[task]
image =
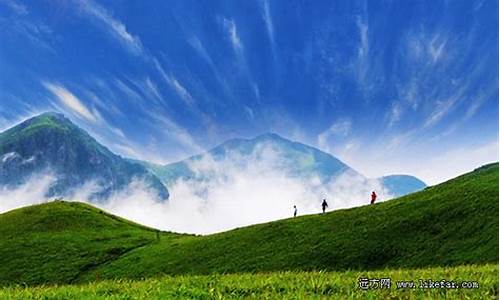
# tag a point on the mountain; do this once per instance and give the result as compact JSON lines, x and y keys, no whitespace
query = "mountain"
{"x":50,"y":143}
{"x":294,"y":159}
{"x":400,"y":185}
{"x":453,"y":223}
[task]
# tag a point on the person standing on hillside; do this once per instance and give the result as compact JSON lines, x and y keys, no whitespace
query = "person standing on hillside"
{"x":374,"y":197}
{"x":294,"y":211}
{"x":324,"y":205}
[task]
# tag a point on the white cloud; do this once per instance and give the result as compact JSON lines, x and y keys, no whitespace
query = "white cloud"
{"x":33,"y":30}
{"x":436,"y":48}
{"x":69,"y":100}
{"x":175,"y":85}
{"x":338,"y":129}
{"x":480,"y":99}
{"x":362,"y":63}
{"x":442,"y":108}
{"x":33,"y":192}
{"x":395,"y":113}
{"x":363,"y":38}
{"x":342,"y":127}
{"x":175,"y":132}
{"x":128,"y":91}
{"x":456,"y":161}
{"x":180,"y":90}
{"x":153,"y":89}
{"x":112,"y":25}
{"x":127,"y":151}
{"x":432,"y":164}
{"x":202,"y":51}
{"x":232,"y":32}
{"x":242,"y":190}
{"x":266,"y":15}
{"x":426,"y":47}
{"x":410,"y":93}
{"x":142,"y":91}
{"x":17,"y":7}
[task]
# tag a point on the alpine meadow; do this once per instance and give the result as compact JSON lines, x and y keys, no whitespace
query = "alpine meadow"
{"x":260,"y":149}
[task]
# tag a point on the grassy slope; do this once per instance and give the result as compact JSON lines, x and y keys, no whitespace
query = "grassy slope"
{"x":56,"y":242}
{"x":277,"y":285}
{"x":450,"y":224}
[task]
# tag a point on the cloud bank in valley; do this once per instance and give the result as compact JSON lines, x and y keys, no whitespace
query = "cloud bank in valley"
{"x":239,"y":191}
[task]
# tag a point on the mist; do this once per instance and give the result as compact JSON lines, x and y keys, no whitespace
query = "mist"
{"x":240,"y":191}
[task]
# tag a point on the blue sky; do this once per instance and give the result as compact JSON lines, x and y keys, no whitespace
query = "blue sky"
{"x":387,"y":86}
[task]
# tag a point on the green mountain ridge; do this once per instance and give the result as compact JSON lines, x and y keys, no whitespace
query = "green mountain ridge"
{"x":294,"y":159}
{"x":453,"y":223}
{"x":51,"y":143}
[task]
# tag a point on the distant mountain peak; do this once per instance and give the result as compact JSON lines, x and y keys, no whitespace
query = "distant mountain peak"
{"x":54,"y":116}
{"x":269,"y":136}
{"x":50,"y":141}
{"x":52,"y":120}
{"x":51,"y":114}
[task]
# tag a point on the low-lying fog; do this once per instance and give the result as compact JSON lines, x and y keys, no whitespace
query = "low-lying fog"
{"x":241,"y":191}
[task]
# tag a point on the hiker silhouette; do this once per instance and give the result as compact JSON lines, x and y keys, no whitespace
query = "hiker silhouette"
{"x":324,"y":205}
{"x":294,"y":211}
{"x":374,"y":197}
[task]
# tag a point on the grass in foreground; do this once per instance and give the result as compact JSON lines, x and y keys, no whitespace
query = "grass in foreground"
{"x":276,"y":285}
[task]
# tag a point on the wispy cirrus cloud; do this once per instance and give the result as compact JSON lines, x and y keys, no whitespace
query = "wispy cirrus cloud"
{"x":368,"y":69}
{"x":112,"y":25}
{"x":69,"y":100}
{"x":69,"y":103}
{"x":15,"y":6}
{"x":337,"y":130}
{"x":198,"y":46}
{"x":232,"y":33}
{"x":133,"y":43}
{"x":427,"y":47}
{"x":23,"y":24}
{"x":436,"y":48}
{"x":127,"y":90}
{"x":266,"y":15}
{"x":362,"y":63}
{"x":152,"y":88}
{"x":181,"y":91}
{"x":395,"y":113}
{"x":363,"y":38}
{"x":176,"y":132}
{"x":442,"y":108}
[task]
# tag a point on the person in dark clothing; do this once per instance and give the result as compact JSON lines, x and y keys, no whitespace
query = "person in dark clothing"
{"x":324,"y":205}
{"x":374,"y":197}
{"x":294,"y":211}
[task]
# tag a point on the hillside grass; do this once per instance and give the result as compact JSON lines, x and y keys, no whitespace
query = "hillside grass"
{"x":57,"y":241}
{"x":454,"y":223}
{"x":277,"y":285}
{"x":450,"y":224}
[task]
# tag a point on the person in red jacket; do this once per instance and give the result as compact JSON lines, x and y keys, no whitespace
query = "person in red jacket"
{"x":374,"y":197}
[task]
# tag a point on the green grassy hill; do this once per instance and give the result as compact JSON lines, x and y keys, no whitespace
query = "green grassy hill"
{"x":59,"y":241}
{"x":453,"y":223}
